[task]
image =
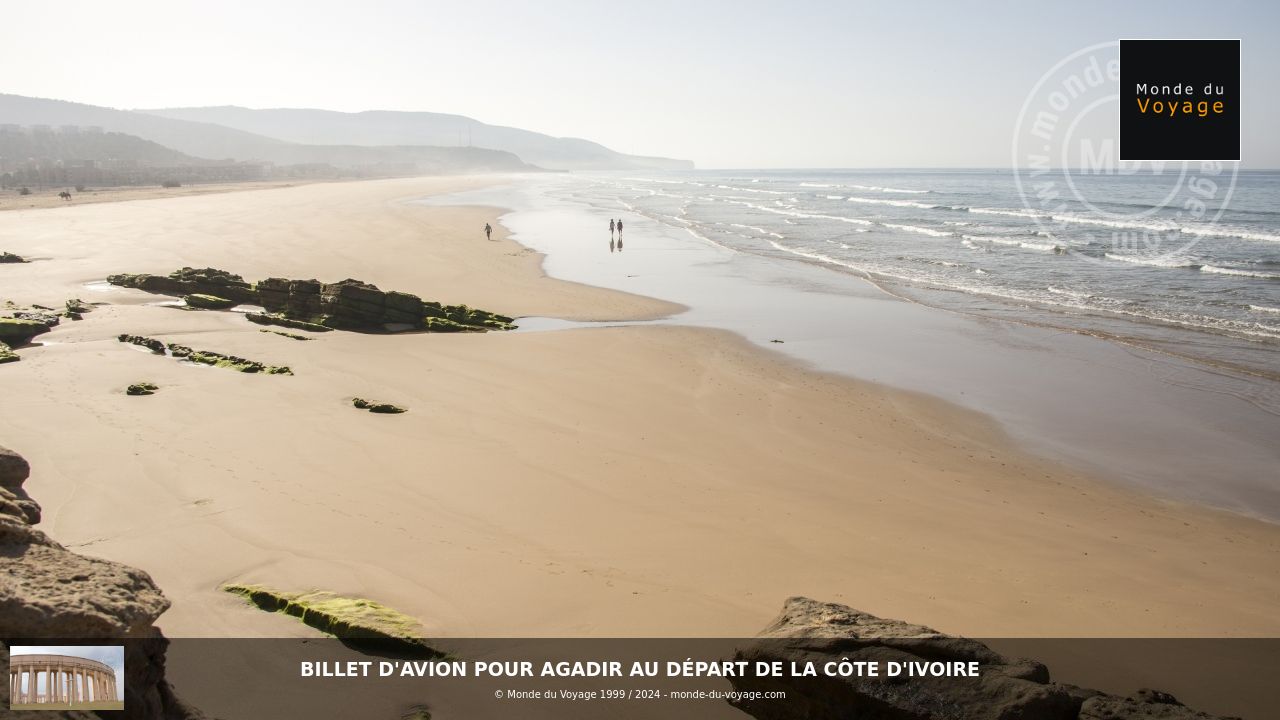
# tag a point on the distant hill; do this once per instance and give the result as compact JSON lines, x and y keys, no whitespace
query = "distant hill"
{"x":216,"y":142}
{"x":383,"y":127}
{"x":17,"y":146}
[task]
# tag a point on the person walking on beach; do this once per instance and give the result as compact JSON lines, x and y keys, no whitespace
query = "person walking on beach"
{"x":611,"y":229}
{"x":488,"y":231}
{"x":619,"y":228}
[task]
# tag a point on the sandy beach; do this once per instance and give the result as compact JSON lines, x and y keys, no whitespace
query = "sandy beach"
{"x":630,"y":481}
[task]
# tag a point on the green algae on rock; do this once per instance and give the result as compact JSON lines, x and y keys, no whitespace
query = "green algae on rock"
{"x":188,"y":281}
{"x":232,"y":362}
{"x":208,"y":302}
{"x":18,"y":331}
{"x":340,"y":616}
{"x":7,"y":355}
{"x":142,"y":388}
{"x":378,"y":407}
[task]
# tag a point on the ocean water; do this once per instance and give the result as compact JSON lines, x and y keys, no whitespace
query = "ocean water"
{"x":1115,"y":256}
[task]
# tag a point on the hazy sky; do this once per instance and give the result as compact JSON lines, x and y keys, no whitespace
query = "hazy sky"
{"x":724,"y":83}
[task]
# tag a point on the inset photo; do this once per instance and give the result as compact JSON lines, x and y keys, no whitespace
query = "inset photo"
{"x":66,"y":677}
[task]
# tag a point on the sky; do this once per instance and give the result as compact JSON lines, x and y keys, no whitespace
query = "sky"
{"x":724,"y":83}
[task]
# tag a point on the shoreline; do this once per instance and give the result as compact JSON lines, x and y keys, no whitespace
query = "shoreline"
{"x":601,"y":454}
{"x":1173,"y":428}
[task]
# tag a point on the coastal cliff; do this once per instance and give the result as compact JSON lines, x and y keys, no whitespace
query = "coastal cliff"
{"x":49,"y":594}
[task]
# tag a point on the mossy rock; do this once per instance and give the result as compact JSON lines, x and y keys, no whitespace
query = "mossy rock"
{"x":7,"y":355}
{"x":445,"y":325}
{"x":15,"y":331}
{"x":231,"y":362}
{"x":377,"y":407}
{"x":343,"y":617}
{"x":142,"y":388}
{"x":8,"y":257}
{"x":151,"y":344}
{"x":208,"y":302}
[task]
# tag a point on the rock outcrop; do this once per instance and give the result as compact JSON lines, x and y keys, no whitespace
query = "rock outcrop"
{"x":51,"y":593}
{"x":19,"y":331}
{"x":142,"y":388}
{"x":7,"y":355}
{"x":355,"y":305}
{"x":812,"y":631}
{"x":8,"y":257}
{"x":374,"y":406}
{"x":191,"y":281}
{"x":312,"y":305}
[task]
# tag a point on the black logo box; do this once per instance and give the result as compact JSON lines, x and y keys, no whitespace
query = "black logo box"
{"x":1180,"y":66}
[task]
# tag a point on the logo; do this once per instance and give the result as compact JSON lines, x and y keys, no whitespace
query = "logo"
{"x":1074,"y":183}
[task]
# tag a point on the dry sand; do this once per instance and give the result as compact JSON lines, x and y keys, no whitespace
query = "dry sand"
{"x":624,"y":481}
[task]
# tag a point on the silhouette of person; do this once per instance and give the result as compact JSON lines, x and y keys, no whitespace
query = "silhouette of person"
{"x":619,"y":228}
{"x":610,"y":228}
{"x":488,"y":231}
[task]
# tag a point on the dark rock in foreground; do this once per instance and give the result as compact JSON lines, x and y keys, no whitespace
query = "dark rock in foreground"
{"x":51,"y":593}
{"x":1007,"y":688}
{"x":14,"y":501}
{"x":7,"y":355}
{"x":8,"y":257}
{"x":14,"y":469}
{"x":142,"y":388}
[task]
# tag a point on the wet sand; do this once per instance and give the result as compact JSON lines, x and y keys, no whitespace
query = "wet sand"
{"x":591,"y":482}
